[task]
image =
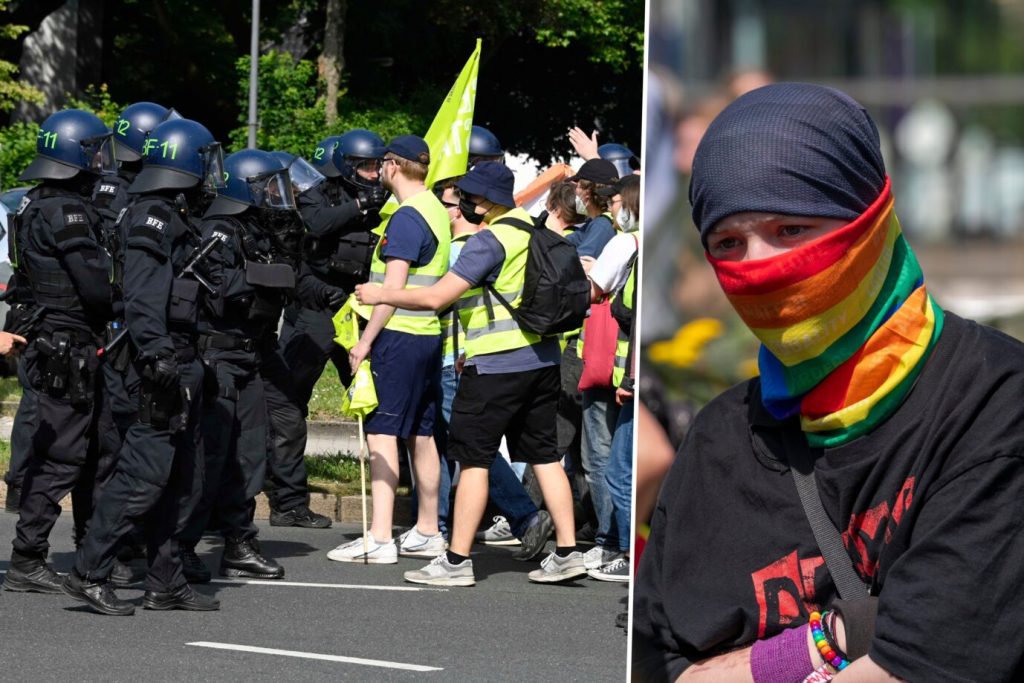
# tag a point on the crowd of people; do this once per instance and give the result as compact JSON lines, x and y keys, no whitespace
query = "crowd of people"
{"x":172,"y":309}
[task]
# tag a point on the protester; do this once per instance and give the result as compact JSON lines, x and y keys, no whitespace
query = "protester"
{"x":509,"y":383}
{"x":898,"y":423}
{"x":404,"y":347}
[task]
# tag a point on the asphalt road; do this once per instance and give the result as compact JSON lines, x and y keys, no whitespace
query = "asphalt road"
{"x":360,"y":623}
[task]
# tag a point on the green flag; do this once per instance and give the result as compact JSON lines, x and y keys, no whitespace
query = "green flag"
{"x":448,"y":136}
{"x":448,"y":139}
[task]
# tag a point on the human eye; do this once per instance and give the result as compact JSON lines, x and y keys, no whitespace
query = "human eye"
{"x":793,"y":230}
{"x":724,"y":245}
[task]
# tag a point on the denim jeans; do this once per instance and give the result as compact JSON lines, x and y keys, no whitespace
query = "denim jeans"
{"x":600,"y":415}
{"x":504,"y":487}
{"x":619,"y":474}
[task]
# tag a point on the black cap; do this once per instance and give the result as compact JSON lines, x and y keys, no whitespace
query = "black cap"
{"x":598,"y":171}
{"x":620,"y":184}
{"x":492,"y":180}
{"x":411,"y":147}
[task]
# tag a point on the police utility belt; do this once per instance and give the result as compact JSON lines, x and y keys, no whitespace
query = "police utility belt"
{"x":227,"y":342}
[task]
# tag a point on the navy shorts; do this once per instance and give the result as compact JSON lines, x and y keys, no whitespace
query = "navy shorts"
{"x":406,"y":368}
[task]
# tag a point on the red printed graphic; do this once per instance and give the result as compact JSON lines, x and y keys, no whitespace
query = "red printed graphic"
{"x":785,"y":589}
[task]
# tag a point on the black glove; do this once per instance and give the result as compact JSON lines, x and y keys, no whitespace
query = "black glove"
{"x":162,"y":372}
{"x":331,"y":297}
{"x":371,"y":198}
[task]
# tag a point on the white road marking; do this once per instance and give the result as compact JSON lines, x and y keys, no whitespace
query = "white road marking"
{"x":316,"y":655}
{"x":302,"y":584}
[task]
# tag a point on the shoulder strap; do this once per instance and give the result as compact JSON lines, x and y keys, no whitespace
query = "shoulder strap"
{"x":840,"y":566}
{"x":515,"y":223}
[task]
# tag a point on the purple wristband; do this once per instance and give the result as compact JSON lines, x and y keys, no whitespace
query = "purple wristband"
{"x":783,"y":658}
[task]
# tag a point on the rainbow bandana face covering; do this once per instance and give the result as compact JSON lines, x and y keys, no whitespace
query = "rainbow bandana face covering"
{"x":845,"y":323}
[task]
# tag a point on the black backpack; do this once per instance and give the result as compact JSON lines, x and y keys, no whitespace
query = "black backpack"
{"x":556,"y":295}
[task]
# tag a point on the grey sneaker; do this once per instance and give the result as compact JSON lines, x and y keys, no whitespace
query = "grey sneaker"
{"x":535,"y":537}
{"x":441,"y":572}
{"x":554,"y":568}
{"x":414,"y":544}
{"x":616,"y":570}
{"x":498,"y":533}
{"x":599,"y":556}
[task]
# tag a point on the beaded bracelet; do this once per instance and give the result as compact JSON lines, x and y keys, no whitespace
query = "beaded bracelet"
{"x":829,"y":650}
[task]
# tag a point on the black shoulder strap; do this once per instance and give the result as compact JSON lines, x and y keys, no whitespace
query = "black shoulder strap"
{"x":840,"y":566}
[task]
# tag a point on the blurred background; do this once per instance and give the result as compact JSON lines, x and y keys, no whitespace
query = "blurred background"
{"x":944,"y":82}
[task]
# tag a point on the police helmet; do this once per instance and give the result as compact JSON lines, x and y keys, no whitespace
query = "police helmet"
{"x":620,"y":155}
{"x":323,"y":157}
{"x":134,"y":124}
{"x":484,"y":146}
{"x":253,"y":178}
{"x":356,"y":148}
{"x":180,"y":154}
{"x":301,"y":172}
{"x":69,"y":142}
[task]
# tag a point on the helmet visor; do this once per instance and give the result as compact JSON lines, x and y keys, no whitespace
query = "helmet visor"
{"x":98,"y":153}
{"x":272,"y":191}
{"x":303,"y":175}
{"x":213,"y":167}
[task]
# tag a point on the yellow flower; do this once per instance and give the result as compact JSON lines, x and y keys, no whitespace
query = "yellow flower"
{"x":683,"y":350}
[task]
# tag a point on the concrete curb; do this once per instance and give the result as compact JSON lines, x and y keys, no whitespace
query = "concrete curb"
{"x":337,"y":508}
{"x":324,"y":437}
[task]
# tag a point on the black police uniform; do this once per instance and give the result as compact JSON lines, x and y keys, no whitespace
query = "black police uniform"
{"x":160,"y":468}
{"x":338,"y":234}
{"x":246,"y":377}
{"x":60,"y":255}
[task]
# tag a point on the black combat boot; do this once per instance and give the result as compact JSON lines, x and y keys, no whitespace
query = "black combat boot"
{"x":301,"y":516}
{"x":13,"y":501}
{"x":242,"y":558}
{"x":183,"y":597}
{"x":194,"y":569}
{"x":31,"y":574}
{"x":99,"y":595}
{"x":121,"y":575}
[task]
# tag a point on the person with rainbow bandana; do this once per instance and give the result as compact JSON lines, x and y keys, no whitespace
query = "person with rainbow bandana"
{"x":899,"y":424}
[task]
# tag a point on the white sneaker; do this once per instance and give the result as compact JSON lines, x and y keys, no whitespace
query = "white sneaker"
{"x":554,"y":568}
{"x":441,"y":572}
{"x":499,"y":533}
{"x":414,"y":544}
{"x":599,"y":556}
{"x":375,"y":553}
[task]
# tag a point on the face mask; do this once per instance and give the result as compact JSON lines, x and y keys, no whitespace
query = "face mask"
{"x":626,"y":220}
{"x":468,"y":210}
{"x":581,"y":206}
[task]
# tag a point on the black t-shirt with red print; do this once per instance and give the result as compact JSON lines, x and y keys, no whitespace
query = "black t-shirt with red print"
{"x":930,"y":506}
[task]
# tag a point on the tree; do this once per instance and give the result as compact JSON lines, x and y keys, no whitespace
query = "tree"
{"x":332,"y":59}
{"x":11,"y":90}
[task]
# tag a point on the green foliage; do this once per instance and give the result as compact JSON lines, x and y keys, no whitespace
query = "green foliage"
{"x":341,"y":467}
{"x":13,"y":91}
{"x":17,"y":149}
{"x":612,"y":30}
{"x":291,"y":115}
{"x":99,"y":102}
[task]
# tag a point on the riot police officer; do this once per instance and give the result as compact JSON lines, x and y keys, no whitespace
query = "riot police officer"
{"x":339,"y":212}
{"x":621,"y":156}
{"x":110,"y":198}
{"x":254,"y":219}
{"x":159,"y":473}
{"x":59,"y":259}
{"x":484,"y":146}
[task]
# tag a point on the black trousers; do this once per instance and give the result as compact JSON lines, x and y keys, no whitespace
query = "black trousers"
{"x":236,"y":443}
{"x":287,"y":481}
{"x":307,"y":344}
{"x":23,"y":429}
{"x":157,"y":481}
{"x":63,"y":453}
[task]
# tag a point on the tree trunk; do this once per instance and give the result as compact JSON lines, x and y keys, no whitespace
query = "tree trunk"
{"x":332,"y":59}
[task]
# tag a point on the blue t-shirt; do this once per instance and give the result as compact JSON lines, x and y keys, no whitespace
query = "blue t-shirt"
{"x":590,"y":238}
{"x":479,"y":264}
{"x":408,"y":237}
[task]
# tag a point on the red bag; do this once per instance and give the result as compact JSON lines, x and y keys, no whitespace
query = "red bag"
{"x":600,"y":334}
